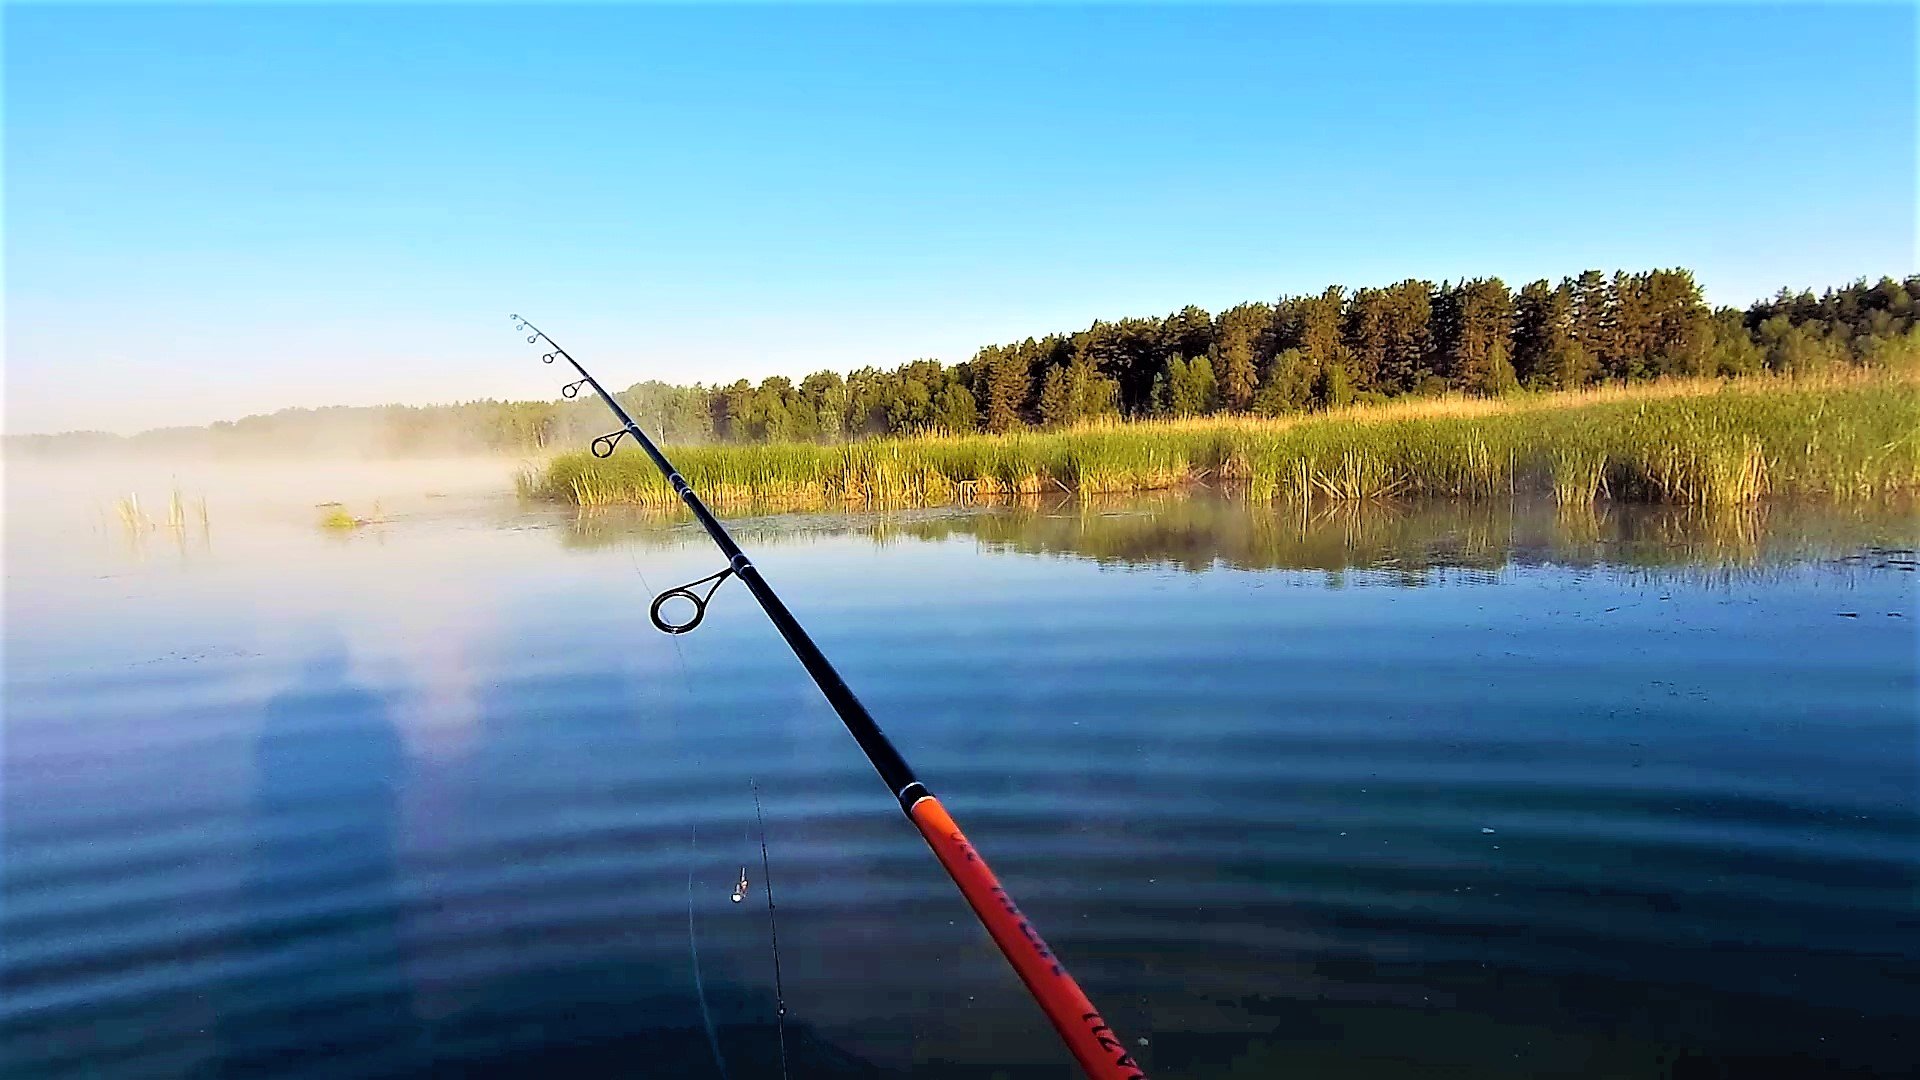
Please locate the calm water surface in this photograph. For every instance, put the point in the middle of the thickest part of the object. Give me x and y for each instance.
(1374, 792)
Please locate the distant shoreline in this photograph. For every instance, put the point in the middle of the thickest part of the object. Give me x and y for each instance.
(1312, 353)
(1686, 441)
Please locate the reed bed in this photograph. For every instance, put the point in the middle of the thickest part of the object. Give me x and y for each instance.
(1693, 442)
(135, 520)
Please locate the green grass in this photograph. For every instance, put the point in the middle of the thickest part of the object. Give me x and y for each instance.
(1701, 443)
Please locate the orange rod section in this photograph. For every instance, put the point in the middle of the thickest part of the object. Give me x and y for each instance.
(1094, 1044)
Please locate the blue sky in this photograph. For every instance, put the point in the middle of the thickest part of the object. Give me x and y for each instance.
(212, 211)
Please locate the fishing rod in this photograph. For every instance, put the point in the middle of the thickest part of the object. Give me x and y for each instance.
(1093, 1044)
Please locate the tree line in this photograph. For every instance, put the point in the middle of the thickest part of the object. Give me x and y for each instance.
(1297, 354)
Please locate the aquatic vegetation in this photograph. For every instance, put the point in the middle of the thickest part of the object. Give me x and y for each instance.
(340, 519)
(1699, 442)
(131, 516)
(1578, 474)
(137, 521)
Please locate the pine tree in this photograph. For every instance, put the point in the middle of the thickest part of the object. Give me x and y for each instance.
(1288, 385)
(1469, 320)
(1680, 327)
(823, 395)
(1202, 388)
(1091, 393)
(1239, 335)
(1001, 387)
(1056, 399)
(1187, 332)
(1183, 387)
(1571, 366)
(1448, 328)
(1130, 353)
(1406, 336)
(1731, 349)
(1625, 353)
(954, 411)
(1535, 322)
(1497, 377)
(1162, 401)
(1333, 386)
(1365, 333)
(1592, 327)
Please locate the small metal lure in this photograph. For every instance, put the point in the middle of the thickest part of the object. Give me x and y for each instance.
(740, 889)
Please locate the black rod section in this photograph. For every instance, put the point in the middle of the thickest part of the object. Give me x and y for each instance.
(893, 768)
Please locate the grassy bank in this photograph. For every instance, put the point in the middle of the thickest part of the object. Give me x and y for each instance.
(1700, 442)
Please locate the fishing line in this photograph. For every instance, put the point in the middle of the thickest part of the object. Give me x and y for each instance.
(686, 679)
(773, 932)
(693, 946)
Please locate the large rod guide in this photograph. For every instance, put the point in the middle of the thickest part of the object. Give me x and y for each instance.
(1097, 1048)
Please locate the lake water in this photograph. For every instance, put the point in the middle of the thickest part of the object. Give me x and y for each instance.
(1387, 791)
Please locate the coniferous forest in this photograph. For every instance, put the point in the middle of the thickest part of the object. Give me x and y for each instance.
(1298, 354)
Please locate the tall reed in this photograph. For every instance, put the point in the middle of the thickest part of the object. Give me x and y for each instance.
(1696, 442)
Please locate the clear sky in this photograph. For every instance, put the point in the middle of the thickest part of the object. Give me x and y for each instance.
(212, 211)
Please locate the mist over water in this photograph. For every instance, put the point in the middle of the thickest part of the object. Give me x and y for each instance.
(1314, 791)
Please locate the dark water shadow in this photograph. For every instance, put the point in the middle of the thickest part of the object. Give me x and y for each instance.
(321, 987)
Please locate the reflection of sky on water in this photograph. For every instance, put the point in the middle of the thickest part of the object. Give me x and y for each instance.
(1245, 800)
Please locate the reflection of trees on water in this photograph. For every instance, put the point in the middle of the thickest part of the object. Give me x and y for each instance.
(1413, 537)
(1406, 540)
